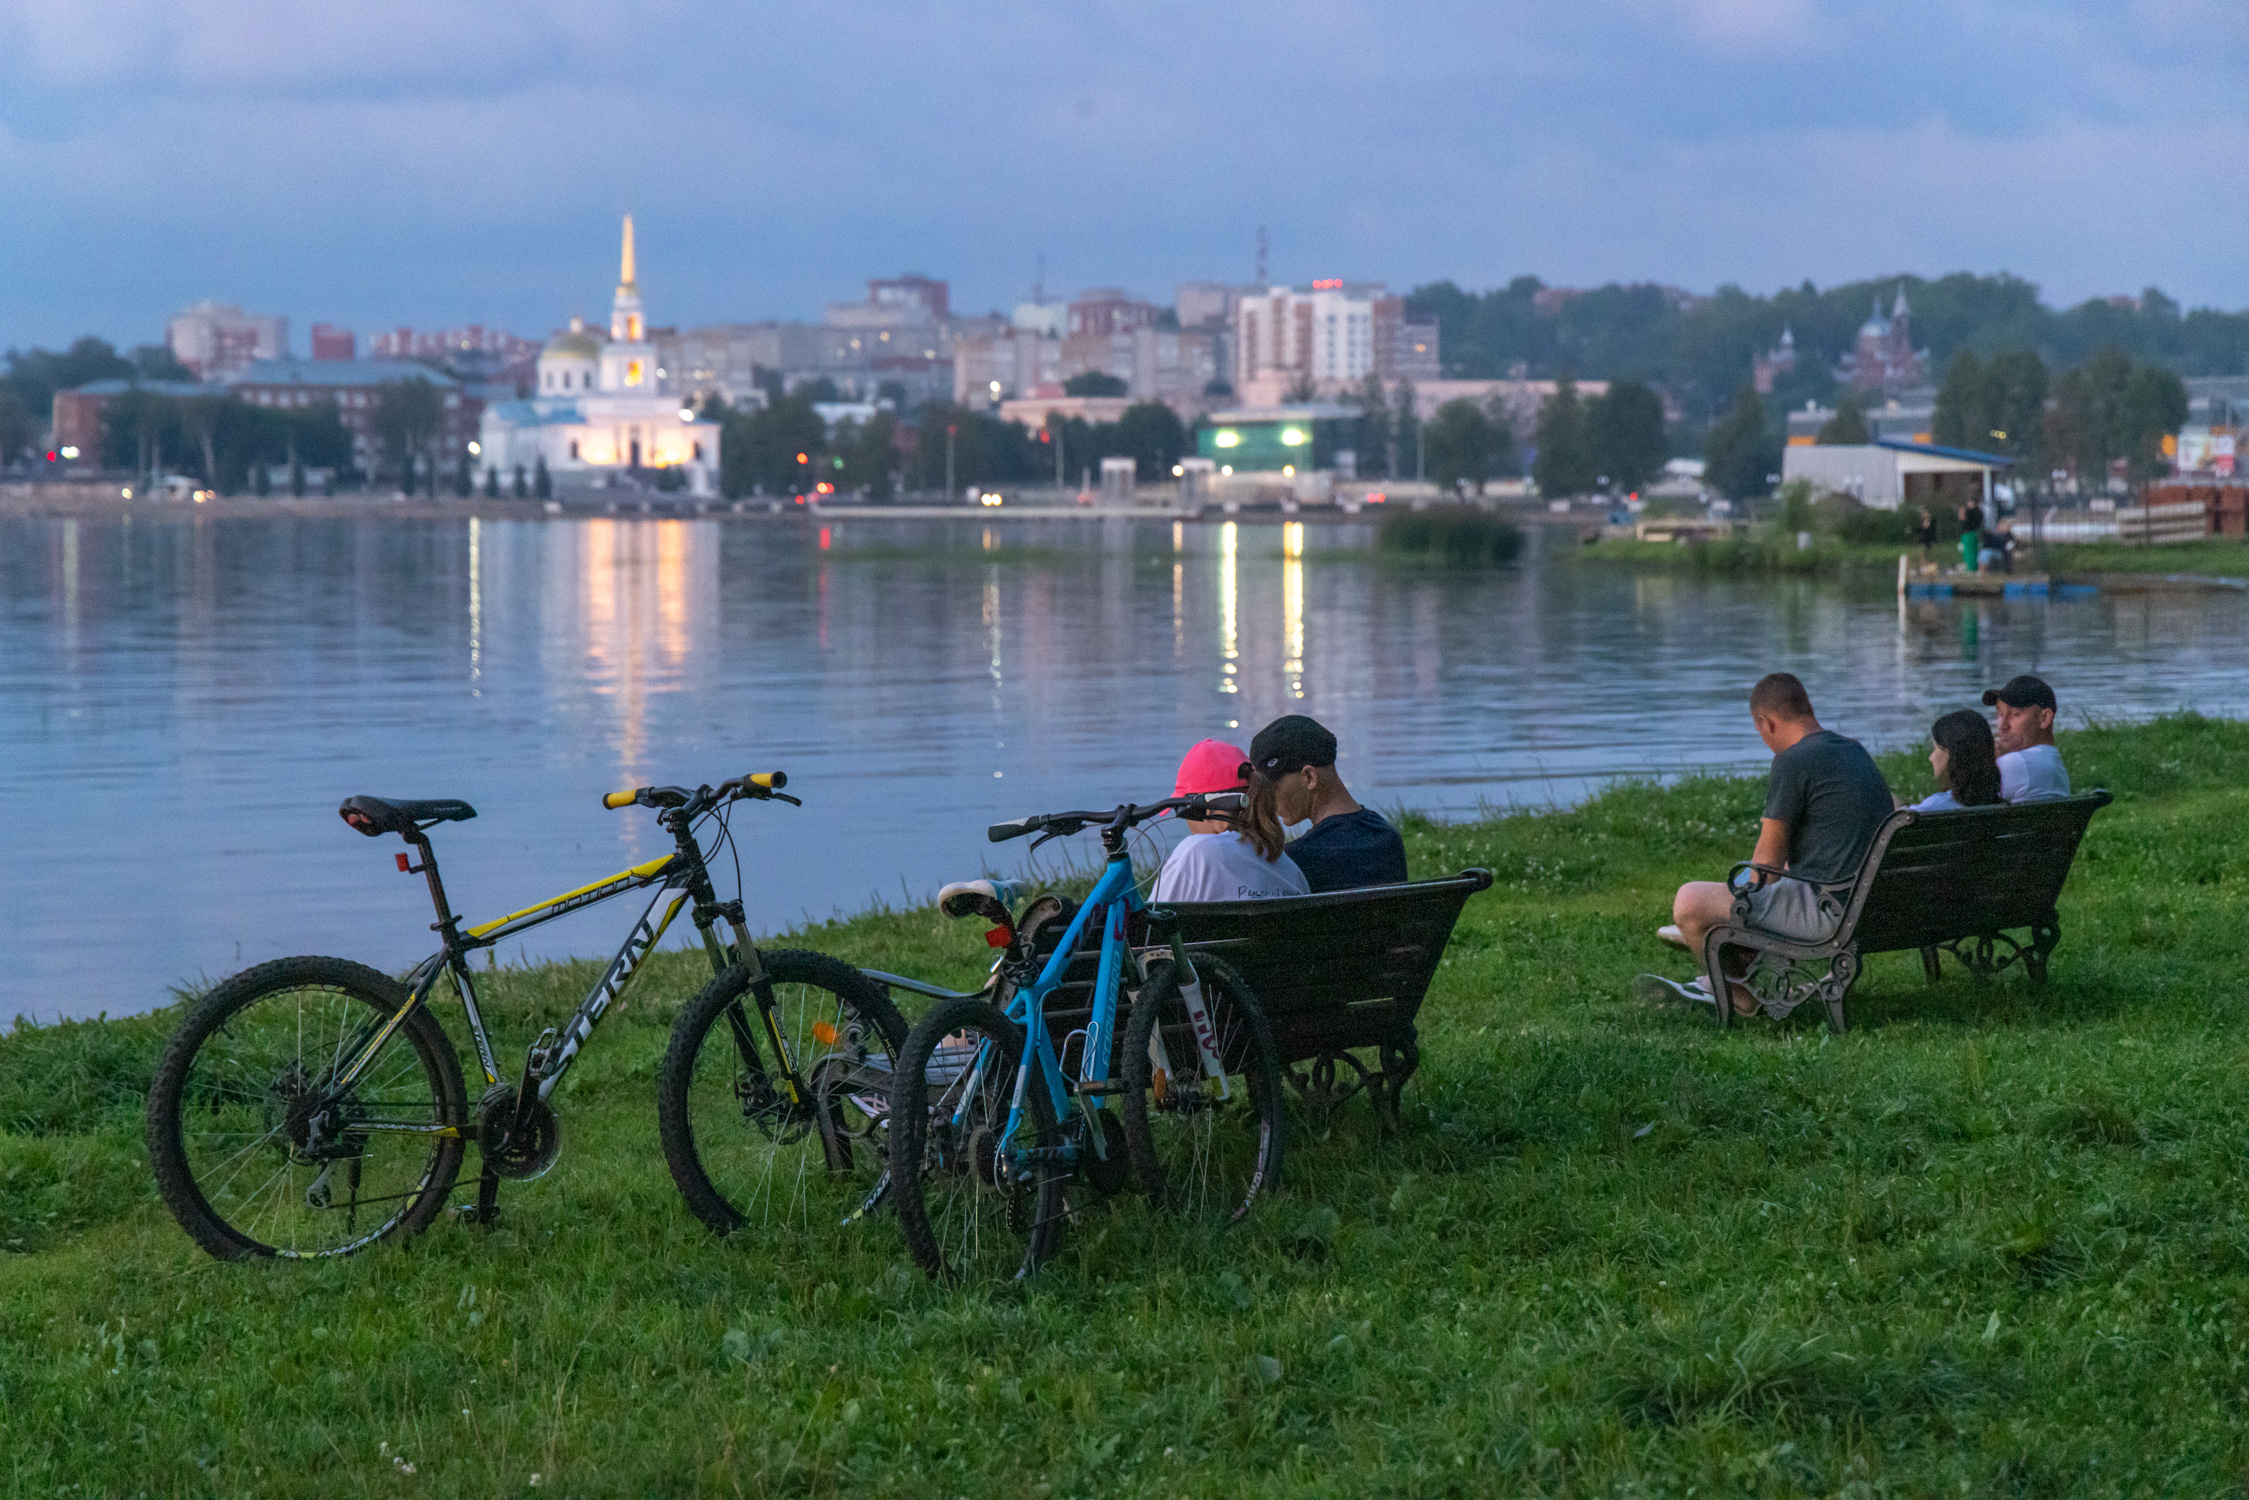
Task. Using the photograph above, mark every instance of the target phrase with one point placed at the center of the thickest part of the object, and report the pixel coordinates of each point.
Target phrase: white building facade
(1325, 333)
(602, 407)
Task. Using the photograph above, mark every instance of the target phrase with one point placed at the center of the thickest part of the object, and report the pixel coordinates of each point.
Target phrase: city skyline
(474, 174)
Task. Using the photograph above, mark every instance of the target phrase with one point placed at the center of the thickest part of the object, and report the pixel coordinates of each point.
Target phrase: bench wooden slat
(1334, 971)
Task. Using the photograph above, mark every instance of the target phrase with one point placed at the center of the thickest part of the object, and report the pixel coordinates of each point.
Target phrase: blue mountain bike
(992, 1126)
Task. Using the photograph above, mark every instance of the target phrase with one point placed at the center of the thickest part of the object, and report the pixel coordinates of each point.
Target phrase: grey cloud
(432, 162)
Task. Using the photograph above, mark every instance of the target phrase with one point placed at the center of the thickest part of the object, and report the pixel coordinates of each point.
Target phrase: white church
(601, 407)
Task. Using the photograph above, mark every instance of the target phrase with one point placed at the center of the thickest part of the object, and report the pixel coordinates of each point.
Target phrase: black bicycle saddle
(379, 815)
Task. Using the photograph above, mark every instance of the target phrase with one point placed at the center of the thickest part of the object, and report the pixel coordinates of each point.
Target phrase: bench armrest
(1765, 875)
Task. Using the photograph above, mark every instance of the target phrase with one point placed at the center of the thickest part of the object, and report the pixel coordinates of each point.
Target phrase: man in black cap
(2030, 766)
(1294, 759)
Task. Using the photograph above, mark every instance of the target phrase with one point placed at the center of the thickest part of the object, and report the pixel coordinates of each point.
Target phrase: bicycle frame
(1117, 898)
(682, 871)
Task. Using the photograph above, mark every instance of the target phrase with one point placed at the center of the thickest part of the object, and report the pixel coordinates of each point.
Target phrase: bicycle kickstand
(487, 1210)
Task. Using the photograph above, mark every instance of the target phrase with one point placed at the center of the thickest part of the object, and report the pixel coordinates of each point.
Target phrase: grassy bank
(1829, 556)
(1993, 1242)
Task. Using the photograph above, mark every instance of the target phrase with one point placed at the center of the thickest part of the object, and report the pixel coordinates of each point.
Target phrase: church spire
(624, 312)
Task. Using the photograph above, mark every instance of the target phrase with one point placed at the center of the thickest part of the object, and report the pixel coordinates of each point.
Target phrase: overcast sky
(437, 162)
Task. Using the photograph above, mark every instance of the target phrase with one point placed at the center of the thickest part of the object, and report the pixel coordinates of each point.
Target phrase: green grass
(1765, 552)
(1991, 1242)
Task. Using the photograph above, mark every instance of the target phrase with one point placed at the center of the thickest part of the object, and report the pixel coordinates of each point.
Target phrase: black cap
(1290, 743)
(2025, 691)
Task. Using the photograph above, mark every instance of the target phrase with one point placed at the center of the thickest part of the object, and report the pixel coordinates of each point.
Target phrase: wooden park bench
(1338, 973)
(1958, 882)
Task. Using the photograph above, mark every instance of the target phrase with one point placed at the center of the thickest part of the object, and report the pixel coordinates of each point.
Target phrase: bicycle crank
(518, 1143)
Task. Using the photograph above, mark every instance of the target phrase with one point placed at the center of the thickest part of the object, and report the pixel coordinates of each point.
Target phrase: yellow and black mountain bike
(312, 1106)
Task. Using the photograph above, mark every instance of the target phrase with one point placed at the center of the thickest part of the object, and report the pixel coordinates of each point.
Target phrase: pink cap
(1211, 766)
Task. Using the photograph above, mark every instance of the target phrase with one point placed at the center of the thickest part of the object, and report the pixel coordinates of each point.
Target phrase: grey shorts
(1796, 910)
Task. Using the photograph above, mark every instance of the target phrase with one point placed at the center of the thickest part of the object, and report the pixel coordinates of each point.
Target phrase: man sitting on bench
(2030, 765)
(1824, 802)
(1292, 762)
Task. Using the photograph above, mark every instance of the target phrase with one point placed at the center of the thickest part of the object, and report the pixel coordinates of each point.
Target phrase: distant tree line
(220, 440)
(1700, 353)
(27, 388)
(784, 447)
(2111, 408)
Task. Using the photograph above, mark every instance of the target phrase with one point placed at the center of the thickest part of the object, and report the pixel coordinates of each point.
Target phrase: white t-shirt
(1223, 867)
(2033, 774)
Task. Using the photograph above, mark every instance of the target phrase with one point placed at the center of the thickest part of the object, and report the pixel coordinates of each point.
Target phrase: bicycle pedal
(539, 1054)
(470, 1213)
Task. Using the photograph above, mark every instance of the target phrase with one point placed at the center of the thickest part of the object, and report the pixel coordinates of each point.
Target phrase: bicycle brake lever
(785, 797)
(1046, 837)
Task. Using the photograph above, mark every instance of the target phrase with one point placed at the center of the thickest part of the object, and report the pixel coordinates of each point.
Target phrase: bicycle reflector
(824, 1033)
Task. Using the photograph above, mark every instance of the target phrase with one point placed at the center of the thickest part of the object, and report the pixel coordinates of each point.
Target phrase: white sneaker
(1656, 989)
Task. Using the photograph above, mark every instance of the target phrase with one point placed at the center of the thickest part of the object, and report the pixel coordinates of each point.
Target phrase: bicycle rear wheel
(1202, 1149)
(256, 1153)
(741, 1149)
(970, 1213)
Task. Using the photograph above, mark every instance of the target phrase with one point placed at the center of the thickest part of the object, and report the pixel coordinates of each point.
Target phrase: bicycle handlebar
(763, 785)
(1199, 807)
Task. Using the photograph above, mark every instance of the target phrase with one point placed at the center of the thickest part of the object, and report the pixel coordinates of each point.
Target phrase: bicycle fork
(1198, 1022)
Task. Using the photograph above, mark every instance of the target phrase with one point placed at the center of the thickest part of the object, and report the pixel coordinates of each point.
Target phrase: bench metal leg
(1931, 965)
(1401, 1056)
(2044, 937)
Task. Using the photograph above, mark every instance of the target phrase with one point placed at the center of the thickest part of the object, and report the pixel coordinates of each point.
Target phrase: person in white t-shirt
(2030, 765)
(1240, 860)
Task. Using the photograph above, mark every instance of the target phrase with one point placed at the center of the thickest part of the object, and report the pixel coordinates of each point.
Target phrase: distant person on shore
(1971, 535)
(1292, 771)
(1824, 801)
(1237, 860)
(2030, 765)
(1926, 535)
(1963, 754)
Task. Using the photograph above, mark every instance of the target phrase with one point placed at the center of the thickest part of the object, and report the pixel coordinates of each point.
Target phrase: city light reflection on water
(183, 703)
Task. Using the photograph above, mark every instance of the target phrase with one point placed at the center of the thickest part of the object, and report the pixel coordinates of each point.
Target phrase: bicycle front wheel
(255, 1148)
(976, 1203)
(1203, 1146)
(753, 1139)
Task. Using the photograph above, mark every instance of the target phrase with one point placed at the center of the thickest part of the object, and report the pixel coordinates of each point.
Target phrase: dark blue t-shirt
(1350, 849)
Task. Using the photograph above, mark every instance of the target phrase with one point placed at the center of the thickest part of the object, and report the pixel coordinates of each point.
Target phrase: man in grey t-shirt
(1824, 802)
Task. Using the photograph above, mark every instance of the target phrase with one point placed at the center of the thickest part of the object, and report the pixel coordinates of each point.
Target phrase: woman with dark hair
(1236, 859)
(1966, 761)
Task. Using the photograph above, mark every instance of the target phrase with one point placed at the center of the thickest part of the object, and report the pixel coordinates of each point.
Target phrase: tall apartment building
(1331, 334)
(218, 339)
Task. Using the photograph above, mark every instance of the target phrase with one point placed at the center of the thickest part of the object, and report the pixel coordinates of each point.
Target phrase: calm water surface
(183, 703)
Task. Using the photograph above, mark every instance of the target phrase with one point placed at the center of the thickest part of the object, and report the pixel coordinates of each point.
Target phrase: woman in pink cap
(1239, 860)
